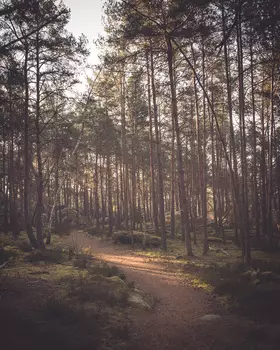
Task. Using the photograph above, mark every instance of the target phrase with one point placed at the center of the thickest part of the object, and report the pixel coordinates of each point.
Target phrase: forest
(173, 139)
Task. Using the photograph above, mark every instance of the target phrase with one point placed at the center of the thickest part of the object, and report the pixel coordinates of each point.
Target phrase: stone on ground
(137, 301)
(210, 317)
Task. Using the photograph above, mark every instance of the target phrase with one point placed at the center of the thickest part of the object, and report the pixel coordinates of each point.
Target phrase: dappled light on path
(175, 322)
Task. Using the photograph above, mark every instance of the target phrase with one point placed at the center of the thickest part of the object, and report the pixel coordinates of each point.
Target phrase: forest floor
(182, 298)
(86, 293)
(60, 299)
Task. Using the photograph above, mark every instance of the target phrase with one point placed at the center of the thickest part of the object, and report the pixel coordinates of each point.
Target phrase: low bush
(213, 239)
(98, 289)
(136, 237)
(93, 231)
(107, 271)
(49, 255)
(123, 237)
(81, 261)
(24, 245)
(7, 253)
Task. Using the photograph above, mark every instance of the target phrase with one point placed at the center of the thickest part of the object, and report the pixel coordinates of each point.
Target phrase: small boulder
(137, 300)
(92, 231)
(153, 241)
(210, 317)
(123, 237)
(116, 279)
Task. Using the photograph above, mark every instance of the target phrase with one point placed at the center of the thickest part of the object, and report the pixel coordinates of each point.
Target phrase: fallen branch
(219, 250)
(3, 265)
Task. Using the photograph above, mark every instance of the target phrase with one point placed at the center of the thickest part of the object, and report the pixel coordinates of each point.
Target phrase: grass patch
(136, 237)
(99, 290)
(68, 305)
(11, 248)
(106, 270)
(252, 292)
(53, 255)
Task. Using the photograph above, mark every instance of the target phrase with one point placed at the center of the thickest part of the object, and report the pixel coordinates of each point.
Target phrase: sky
(86, 18)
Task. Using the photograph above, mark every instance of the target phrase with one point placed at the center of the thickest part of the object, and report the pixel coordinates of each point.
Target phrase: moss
(49, 256)
(214, 239)
(136, 237)
(82, 261)
(93, 231)
(75, 307)
(200, 284)
(98, 288)
(8, 252)
(106, 270)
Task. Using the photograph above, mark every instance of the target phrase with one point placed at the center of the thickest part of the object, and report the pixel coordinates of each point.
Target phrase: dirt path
(175, 323)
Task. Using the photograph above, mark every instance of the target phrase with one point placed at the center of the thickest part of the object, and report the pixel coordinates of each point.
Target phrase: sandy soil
(175, 322)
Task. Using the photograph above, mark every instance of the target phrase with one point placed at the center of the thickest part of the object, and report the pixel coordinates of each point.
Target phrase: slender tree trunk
(181, 175)
(40, 186)
(110, 203)
(255, 184)
(96, 185)
(152, 172)
(244, 166)
(28, 225)
(77, 190)
(11, 175)
(118, 214)
(159, 161)
(172, 209)
(270, 160)
(204, 164)
(124, 153)
(232, 137)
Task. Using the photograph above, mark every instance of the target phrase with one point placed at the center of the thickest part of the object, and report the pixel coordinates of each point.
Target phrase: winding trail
(175, 321)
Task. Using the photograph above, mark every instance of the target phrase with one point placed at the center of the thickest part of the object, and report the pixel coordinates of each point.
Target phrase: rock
(180, 257)
(269, 276)
(251, 273)
(136, 300)
(210, 317)
(92, 231)
(117, 280)
(138, 291)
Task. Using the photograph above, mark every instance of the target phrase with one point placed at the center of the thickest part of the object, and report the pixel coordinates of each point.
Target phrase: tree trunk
(158, 149)
(181, 175)
(28, 225)
(152, 172)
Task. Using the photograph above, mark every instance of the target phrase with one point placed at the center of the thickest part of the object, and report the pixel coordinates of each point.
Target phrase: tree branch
(3, 48)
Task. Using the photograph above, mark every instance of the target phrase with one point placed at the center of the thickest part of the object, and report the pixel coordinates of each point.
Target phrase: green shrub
(81, 261)
(98, 289)
(136, 237)
(49, 255)
(8, 252)
(93, 231)
(106, 271)
(24, 245)
(213, 239)
(153, 241)
(123, 237)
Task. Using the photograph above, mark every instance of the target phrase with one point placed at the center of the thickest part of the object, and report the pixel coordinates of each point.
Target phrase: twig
(3, 265)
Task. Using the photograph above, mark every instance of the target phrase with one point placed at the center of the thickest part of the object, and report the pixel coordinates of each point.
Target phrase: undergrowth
(67, 297)
(251, 291)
